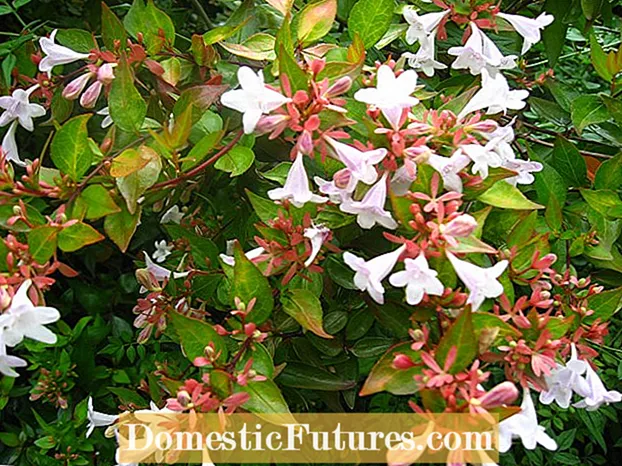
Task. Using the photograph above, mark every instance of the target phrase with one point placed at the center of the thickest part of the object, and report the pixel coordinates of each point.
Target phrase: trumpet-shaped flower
(449, 168)
(564, 380)
(418, 278)
(336, 194)
(495, 96)
(18, 107)
(97, 419)
(529, 28)
(360, 164)
(9, 145)
(480, 52)
(424, 60)
(296, 188)
(392, 94)
(483, 157)
(250, 255)
(523, 169)
(162, 251)
(370, 210)
(317, 234)
(422, 26)
(524, 425)
(598, 394)
(172, 215)
(8, 362)
(57, 54)
(253, 99)
(369, 274)
(481, 282)
(24, 319)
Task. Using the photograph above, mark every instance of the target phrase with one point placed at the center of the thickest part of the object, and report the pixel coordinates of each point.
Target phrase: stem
(199, 168)
(582, 152)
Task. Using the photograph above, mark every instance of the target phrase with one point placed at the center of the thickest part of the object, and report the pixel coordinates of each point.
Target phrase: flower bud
(485, 126)
(270, 123)
(75, 87)
(401, 361)
(460, 227)
(341, 86)
(105, 74)
(5, 299)
(305, 143)
(503, 394)
(90, 96)
(342, 178)
(147, 280)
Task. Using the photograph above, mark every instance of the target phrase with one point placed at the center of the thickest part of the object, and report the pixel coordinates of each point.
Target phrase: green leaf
(554, 35)
(549, 110)
(258, 47)
(265, 209)
(133, 186)
(606, 202)
(78, 40)
(42, 243)
(370, 19)
(549, 183)
(150, 21)
(591, 8)
(120, 227)
(384, 377)
(298, 79)
(127, 107)
(306, 309)
(249, 283)
(461, 335)
(313, 378)
(569, 163)
(609, 174)
(195, 335)
(506, 196)
(71, 152)
(599, 59)
(112, 28)
(315, 20)
(97, 202)
(604, 305)
(236, 161)
(77, 236)
(614, 106)
(266, 398)
(588, 110)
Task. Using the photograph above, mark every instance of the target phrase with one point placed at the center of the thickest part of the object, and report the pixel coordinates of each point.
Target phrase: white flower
(359, 163)
(495, 95)
(421, 26)
(317, 234)
(162, 251)
(403, 177)
(253, 99)
(564, 380)
(160, 273)
(370, 210)
(18, 107)
(424, 58)
(391, 94)
(483, 157)
(523, 169)
(8, 362)
(529, 28)
(107, 121)
(250, 255)
(296, 188)
(418, 278)
(24, 319)
(172, 215)
(597, 392)
(57, 54)
(9, 145)
(370, 273)
(524, 425)
(449, 168)
(481, 282)
(336, 194)
(480, 52)
(97, 419)
(504, 136)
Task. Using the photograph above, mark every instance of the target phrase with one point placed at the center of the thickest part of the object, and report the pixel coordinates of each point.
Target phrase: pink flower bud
(317, 66)
(90, 96)
(503, 394)
(460, 227)
(342, 178)
(105, 74)
(305, 143)
(341, 86)
(271, 123)
(485, 126)
(401, 361)
(545, 262)
(5, 298)
(76, 86)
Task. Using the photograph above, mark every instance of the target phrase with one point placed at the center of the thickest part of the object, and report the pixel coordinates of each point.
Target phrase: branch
(199, 168)
(582, 152)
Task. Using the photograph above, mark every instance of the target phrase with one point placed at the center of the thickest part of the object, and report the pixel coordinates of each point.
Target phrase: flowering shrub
(313, 206)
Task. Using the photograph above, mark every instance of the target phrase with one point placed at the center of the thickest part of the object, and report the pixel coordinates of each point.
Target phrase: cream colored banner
(307, 438)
